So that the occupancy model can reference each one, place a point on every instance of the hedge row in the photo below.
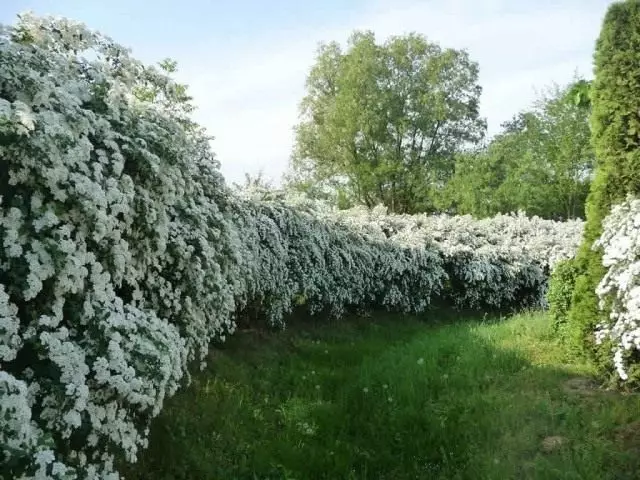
(123, 254)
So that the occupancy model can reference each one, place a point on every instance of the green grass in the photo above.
(394, 397)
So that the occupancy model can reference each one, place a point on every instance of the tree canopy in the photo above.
(398, 124)
(382, 123)
(541, 162)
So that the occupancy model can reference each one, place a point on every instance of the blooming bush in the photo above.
(110, 274)
(123, 253)
(494, 262)
(619, 289)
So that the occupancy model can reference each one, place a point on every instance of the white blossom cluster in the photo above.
(289, 256)
(123, 254)
(490, 262)
(110, 250)
(499, 262)
(544, 241)
(619, 289)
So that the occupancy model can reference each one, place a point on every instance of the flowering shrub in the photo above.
(123, 253)
(619, 289)
(110, 274)
(494, 262)
(293, 256)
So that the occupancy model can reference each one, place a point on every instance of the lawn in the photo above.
(395, 397)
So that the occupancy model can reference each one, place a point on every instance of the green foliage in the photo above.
(615, 123)
(397, 124)
(381, 123)
(392, 397)
(580, 93)
(561, 286)
(540, 163)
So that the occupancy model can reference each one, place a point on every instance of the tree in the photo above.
(541, 162)
(580, 93)
(615, 124)
(258, 181)
(382, 123)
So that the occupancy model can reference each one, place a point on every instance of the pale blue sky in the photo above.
(246, 61)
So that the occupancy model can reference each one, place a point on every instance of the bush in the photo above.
(110, 267)
(615, 124)
(561, 285)
(490, 263)
(124, 254)
(619, 291)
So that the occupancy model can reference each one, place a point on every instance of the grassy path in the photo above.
(396, 398)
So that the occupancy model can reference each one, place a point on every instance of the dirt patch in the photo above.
(628, 436)
(581, 386)
(553, 443)
(588, 388)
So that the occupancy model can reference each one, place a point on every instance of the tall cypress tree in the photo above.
(615, 124)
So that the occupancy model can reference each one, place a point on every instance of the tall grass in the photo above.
(389, 399)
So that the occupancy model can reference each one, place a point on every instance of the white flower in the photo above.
(128, 254)
(620, 287)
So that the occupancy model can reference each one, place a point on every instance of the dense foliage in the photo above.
(615, 122)
(489, 262)
(380, 124)
(398, 124)
(561, 284)
(124, 254)
(541, 162)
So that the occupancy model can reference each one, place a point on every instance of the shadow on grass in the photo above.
(390, 398)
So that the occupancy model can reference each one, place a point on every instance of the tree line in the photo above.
(399, 124)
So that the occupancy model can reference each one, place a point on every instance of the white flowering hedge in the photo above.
(493, 262)
(619, 289)
(123, 254)
(112, 273)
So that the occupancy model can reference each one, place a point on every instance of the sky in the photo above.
(246, 60)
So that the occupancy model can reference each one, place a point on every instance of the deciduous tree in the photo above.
(541, 162)
(382, 123)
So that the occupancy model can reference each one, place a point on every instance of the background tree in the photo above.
(541, 162)
(382, 123)
(254, 181)
(581, 93)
